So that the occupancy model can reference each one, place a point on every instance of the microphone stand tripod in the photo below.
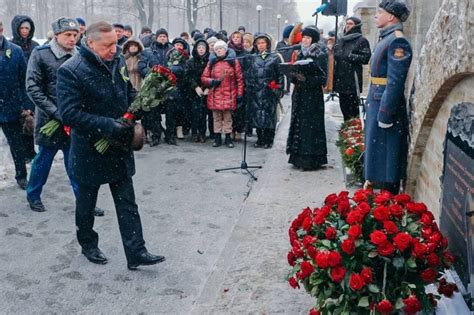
(243, 164)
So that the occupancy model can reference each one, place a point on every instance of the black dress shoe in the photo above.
(36, 205)
(267, 146)
(145, 259)
(22, 182)
(95, 256)
(98, 212)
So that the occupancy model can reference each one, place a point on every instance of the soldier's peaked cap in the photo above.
(397, 8)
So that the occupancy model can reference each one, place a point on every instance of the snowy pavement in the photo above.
(224, 235)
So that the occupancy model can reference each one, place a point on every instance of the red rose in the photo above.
(330, 233)
(354, 232)
(343, 206)
(366, 274)
(364, 208)
(397, 210)
(435, 238)
(312, 251)
(293, 283)
(416, 208)
(429, 275)
(382, 197)
(427, 218)
(348, 246)
(382, 213)
(291, 258)
(306, 269)
(385, 307)
(308, 240)
(402, 241)
(378, 237)
(426, 232)
(402, 198)
(322, 259)
(349, 151)
(299, 253)
(356, 282)
(306, 224)
(330, 200)
(433, 260)
(360, 195)
(419, 250)
(385, 249)
(448, 258)
(335, 259)
(338, 274)
(390, 227)
(412, 305)
(355, 217)
(293, 236)
(314, 312)
(319, 219)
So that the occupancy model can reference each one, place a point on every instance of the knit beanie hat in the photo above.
(161, 31)
(220, 44)
(212, 40)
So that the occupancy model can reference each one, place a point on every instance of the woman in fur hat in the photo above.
(306, 142)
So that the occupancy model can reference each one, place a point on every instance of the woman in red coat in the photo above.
(223, 75)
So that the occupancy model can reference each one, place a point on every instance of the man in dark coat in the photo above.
(386, 126)
(120, 31)
(13, 101)
(23, 30)
(93, 93)
(156, 54)
(283, 47)
(265, 88)
(306, 142)
(351, 51)
(41, 88)
(82, 31)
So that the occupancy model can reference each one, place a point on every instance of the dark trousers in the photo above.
(349, 104)
(393, 188)
(40, 169)
(265, 136)
(198, 114)
(13, 132)
(29, 144)
(210, 123)
(152, 122)
(127, 214)
(175, 116)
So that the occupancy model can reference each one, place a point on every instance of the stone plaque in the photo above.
(457, 213)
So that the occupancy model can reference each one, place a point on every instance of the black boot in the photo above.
(217, 140)
(228, 141)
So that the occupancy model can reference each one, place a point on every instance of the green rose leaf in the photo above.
(364, 302)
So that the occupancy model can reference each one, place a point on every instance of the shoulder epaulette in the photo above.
(42, 47)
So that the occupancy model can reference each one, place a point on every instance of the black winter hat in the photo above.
(161, 31)
(146, 29)
(397, 8)
(118, 25)
(356, 20)
(313, 32)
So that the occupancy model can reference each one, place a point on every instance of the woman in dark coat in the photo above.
(23, 30)
(198, 98)
(306, 143)
(265, 88)
(351, 52)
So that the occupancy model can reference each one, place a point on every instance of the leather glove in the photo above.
(199, 91)
(215, 83)
(384, 126)
(123, 133)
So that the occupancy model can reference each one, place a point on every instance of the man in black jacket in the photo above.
(41, 88)
(352, 50)
(94, 92)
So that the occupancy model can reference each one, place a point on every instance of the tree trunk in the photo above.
(141, 12)
(151, 13)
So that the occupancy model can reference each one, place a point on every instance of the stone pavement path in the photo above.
(224, 236)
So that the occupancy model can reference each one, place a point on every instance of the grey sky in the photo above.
(307, 7)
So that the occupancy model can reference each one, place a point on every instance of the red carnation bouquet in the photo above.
(369, 254)
(155, 89)
(351, 145)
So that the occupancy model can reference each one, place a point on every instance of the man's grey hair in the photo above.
(95, 30)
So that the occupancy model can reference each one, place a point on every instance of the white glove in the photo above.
(206, 92)
(199, 91)
(384, 126)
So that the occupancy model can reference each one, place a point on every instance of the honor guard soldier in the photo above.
(386, 125)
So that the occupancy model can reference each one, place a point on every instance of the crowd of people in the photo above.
(80, 83)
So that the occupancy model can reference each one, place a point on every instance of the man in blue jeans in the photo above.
(41, 88)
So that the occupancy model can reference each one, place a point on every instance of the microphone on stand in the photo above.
(320, 9)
